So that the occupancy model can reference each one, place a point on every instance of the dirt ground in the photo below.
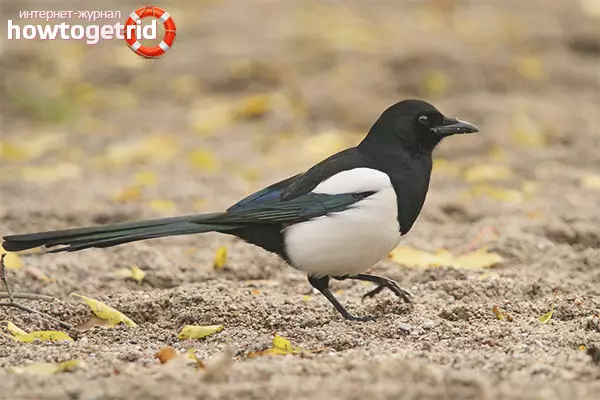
(79, 122)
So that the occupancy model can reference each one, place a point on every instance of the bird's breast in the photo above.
(346, 242)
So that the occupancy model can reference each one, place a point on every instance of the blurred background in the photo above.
(255, 91)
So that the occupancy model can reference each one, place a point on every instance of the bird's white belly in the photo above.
(347, 242)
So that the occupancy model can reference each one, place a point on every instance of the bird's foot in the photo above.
(382, 283)
(394, 287)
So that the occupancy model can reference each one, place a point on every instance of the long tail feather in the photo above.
(115, 234)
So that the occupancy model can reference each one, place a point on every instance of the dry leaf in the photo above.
(165, 354)
(486, 173)
(545, 318)
(15, 330)
(435, 83)
(496, 193)
(527, 133)
(130, 194)
(501, 315)
(198, 332)
(591, 182)
(324, 144)
(50, 173)
(446, 167)
(252, 107)
(163, 206)
(529, 67)
(412, 257)
(47, 369)
(134, 273)
(203, 159)
(105, 312)
(11, 260)
(220, 257)
(145, 178)
(206, 118)
(190, 354)
(20, 335)
(281, 346)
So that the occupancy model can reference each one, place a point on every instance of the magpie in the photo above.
(333, 221)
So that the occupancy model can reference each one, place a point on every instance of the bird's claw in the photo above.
(393, 286)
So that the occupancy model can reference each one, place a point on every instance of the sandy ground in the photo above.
(332, 67)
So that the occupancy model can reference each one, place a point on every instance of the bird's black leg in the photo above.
(322, 285)
(382, 283)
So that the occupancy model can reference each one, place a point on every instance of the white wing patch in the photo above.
(350, 241)
(355, 180)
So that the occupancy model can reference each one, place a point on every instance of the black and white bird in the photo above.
(335, 220)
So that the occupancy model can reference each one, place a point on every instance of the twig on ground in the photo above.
(28, 296)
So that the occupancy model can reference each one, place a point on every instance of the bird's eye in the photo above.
(423, 120)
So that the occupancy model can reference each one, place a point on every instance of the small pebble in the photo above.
(406, 328)
(428, 324)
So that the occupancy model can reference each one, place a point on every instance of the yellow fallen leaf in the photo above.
(501, 315)
(11, 260)
(105, 312)
(281, 346)
(47, 369)
(50, 173)
(51, 336)
(134, 273)
(252, 107)
(207, 117)
(545, 318)
(324, 144)
(184, 85)
(497, 153)
(163, 206)
(20, 335)
(590, 182)
(497, 193)
(190, 354)
(220, 257)
(486, 173)
(412, 257)
(145, 178)
(435, 83)
(527, 133)
(198, 332)
(130, 194)
(154, 148)
(442, 166)
(480, 258)
(203, 159)
(529, 67)
(15, 330)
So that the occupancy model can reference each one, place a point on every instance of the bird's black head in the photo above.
(414, 125)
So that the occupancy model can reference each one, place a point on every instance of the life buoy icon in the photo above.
(170, 31)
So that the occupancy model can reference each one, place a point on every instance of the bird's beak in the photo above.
(452, 126)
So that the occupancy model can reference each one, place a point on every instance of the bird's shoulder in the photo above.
(345, 160)
(302, 184)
